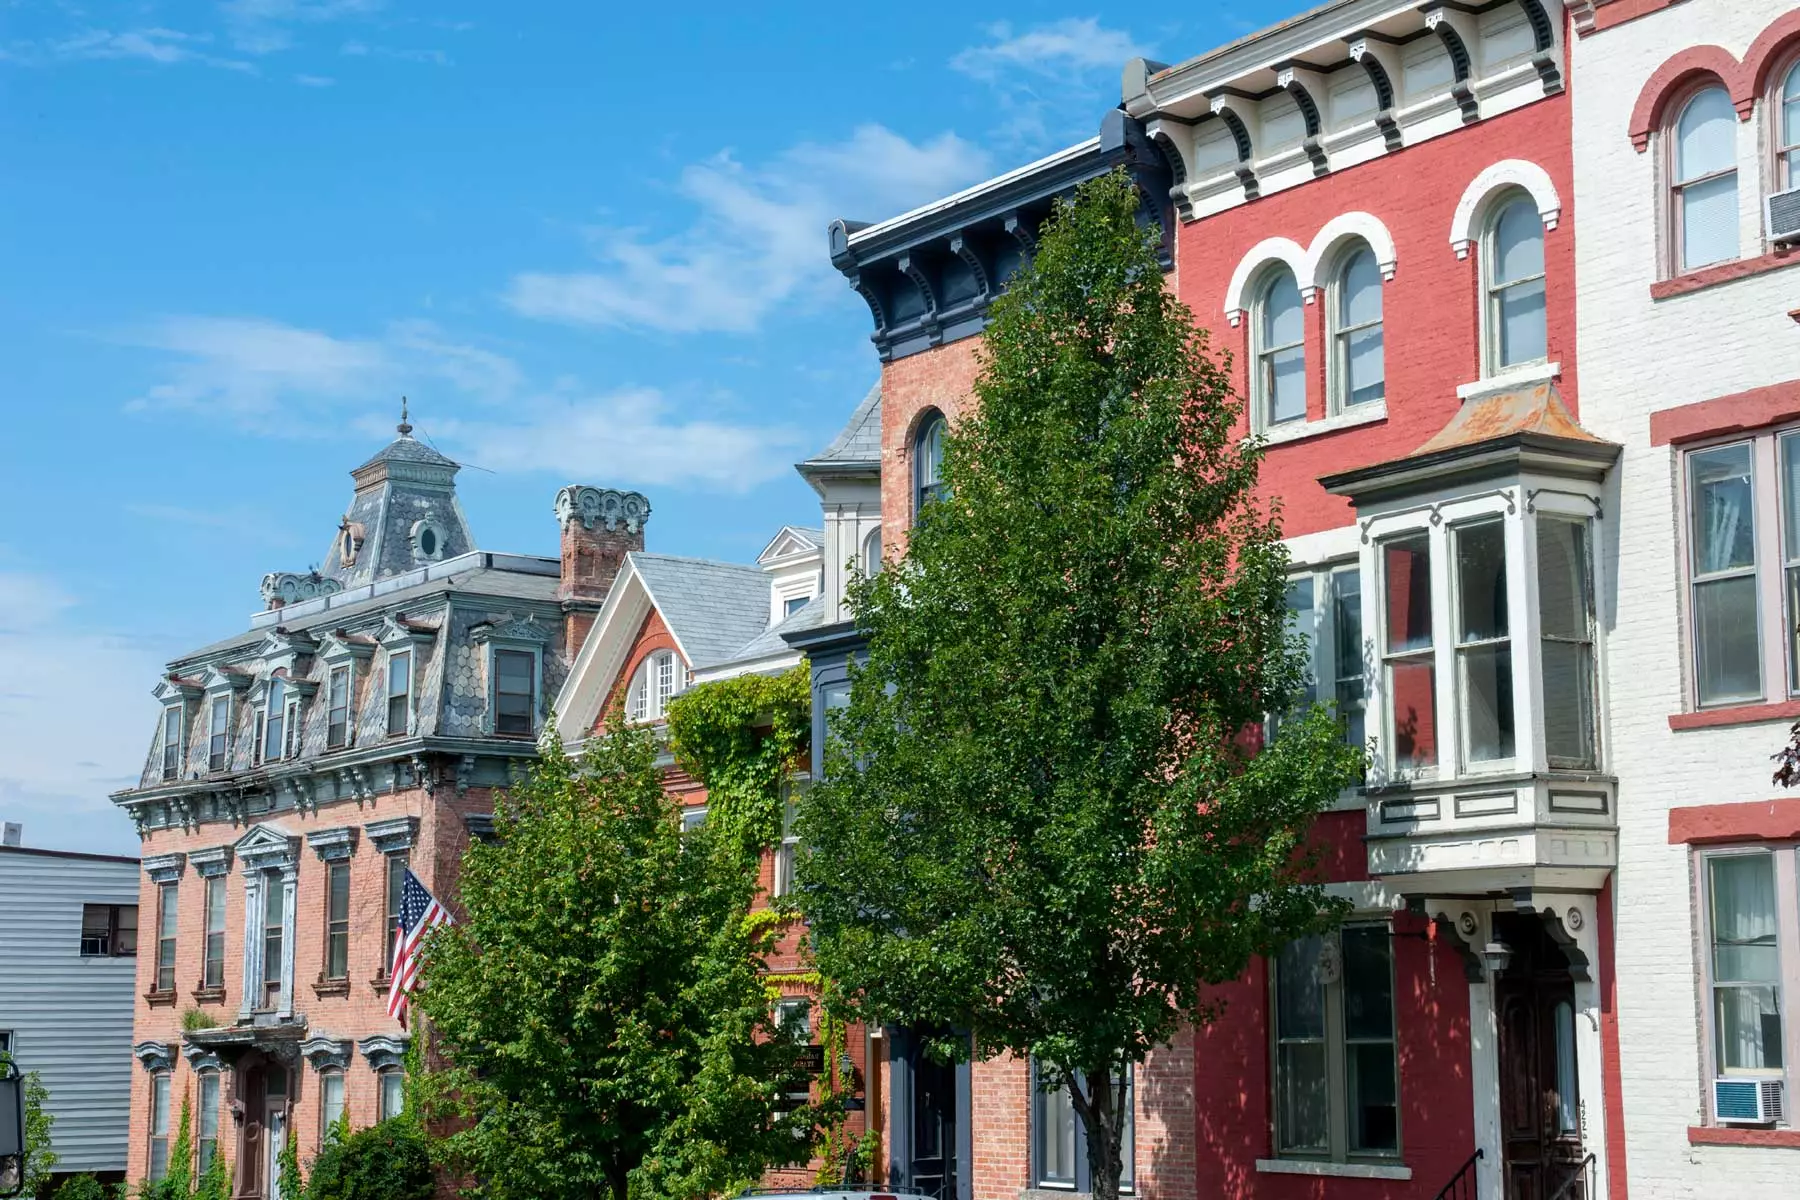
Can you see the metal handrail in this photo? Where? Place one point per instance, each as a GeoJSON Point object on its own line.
{"type": "Point", "coordinates": [1584, 1174]}
{"type": "Point", "coordinates": [1462, 1184]}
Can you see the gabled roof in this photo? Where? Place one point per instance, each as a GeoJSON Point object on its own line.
{"type": "Point", "coordinates": [792, 540]}
{"type": "Point", "coordinates": [770, 643]}
{"type": "Point", "coordinates": [858, 443]}
{"type": "Point", "coordinates": [711, 608]}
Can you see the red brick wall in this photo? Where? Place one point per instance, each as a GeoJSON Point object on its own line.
{"type": "Point", "coordinates": [942, 378]}
{"type": "Point", "coordinates": [435, 858]}
{"type": "Point", "coordinates": [1430, 309]}
{"type": "Point", "coordinates": [653, 635]}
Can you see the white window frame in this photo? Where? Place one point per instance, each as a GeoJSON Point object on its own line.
{"type": "Point", "coordinates": [932, 427]}
{"type": "Point", "coordinates": [389, 695]}
{"type": "Point", "coordinates": [660, 676]}
{"type": "Point", "coordinates": [326, 1120]}
{"type": "Point", "coordinates": [1082, 1180]}
{"type": "Point", "coordinates": [273, 709]}
{"type": "Point", "coordinates": [390, 1078]}
{"type": "Point", "coordinates": [218, 732]}
{"type": "Point", "coordinates": [1783, 176]}
{"type": "Point", "coordinates": [345, 671]}
{"type": "Point", "coordinates": [1337, 1042]}
{"type": "Point", "coordinates": [1320, 627]}
{"type": "Point", "coordinates": [173, 720]}
{"type": "Point", "coordinates": [1785, 857]}
{"type": "Point", "coordinates": [161, 1094]}
{"type": "Point", "coordinates": [781, 874]}
{"type": "Point", "coordinates": [1487, 256]}
{"type": "Point", "coordinates": [1337, 345]}
{"type": "Point", "coordinates": [1774, 610]}
{"type": "Point", "coordinates": [1262, 354]}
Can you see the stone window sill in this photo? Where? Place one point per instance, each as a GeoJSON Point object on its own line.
{"type": "Point", "coordinates": [206, 995]}
{"type": "Point", "coordinates": [1339, 1170]}
{"type": "Point", "coordinates": [1511, 379]}
{"type": "Point", "coordinates": [158, 999]}
{"type": "Point", "coordinates": [1725, 272]}
{"type": "Point", "coordinates": [331, 987]}
{"type": "Point", "coordinates": [380, 983]}
{"type": "Point", "coordinates": [1736, 714]}
{"type": "Point", "coordinates": [1299, 431]}
{"type": "Point", "coordinates": [1727, 1135]}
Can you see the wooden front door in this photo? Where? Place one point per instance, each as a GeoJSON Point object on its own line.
{"type": "Point", "coordinates": [926, 1098]}
{"type": "Point", "coordinates": [1540, 1103]}
{"type": "Point", "coordinates": [262, 1107]}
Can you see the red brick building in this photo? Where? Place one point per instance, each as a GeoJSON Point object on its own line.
{"type": "Point", "coordinates": [1368, 207]}
{"type": "Point", "coordinates": [358, 727]}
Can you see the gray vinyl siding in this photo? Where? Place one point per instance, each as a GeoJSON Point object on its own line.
{"type": "Point", "coordinates": [70, 1016]}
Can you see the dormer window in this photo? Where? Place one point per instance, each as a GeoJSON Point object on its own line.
{"type": "Point", "coordinates": [274, 739]}
{"type": "Point", "coordinates": [515, 692]}
{"type": "Point", "coordinates": [337, 708]}
{"type": "Point", "coordinates": [399, 693]}
{"type": "Point", "coordinates": [871, 552]}
{"type": "Point", "coordinates": [655, 683]}
{"type": "Point", "coordinates": [427, 542]}
{"type": "Point", "coordinates": [218, 731]}
{"type": "Point", "coordinates": [171, 743]}
{"type": "Point", "coordinates": [793, 604]}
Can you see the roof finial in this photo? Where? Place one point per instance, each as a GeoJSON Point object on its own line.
{"type": "Point", "coordinates": [404, 428]}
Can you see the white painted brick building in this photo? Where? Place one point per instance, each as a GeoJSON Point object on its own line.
{"type": "Point", "coordinates": [1690, 359]}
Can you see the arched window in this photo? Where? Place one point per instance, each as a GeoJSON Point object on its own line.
{"type": "Point", "coordinates": [928, 461]}
{"type": "Point", "coordinates": [1280, 335]}
{"type": "Point", "coordinates": [1358, 376]}
{"type": "Point", "coordinates": [1703, 203]}
{"type": "Point", "coordinates": [1787, 130]}
{"type": "Point", "coordinates": [871, 552]}
{"type": "Point", "coordinates": [1513, 259]}
{"type": "Point", "coordinates": [658, 680]}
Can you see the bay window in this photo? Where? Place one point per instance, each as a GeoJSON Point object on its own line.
{"type": "Point", "coordinates": [1484, 660]}
{"type": "Point", "coordinates": [1336, 1069]}
{"type": "Point", "coordinates": [1409, 662]}
{"type": "Point", "coordinates": [1566, 631]}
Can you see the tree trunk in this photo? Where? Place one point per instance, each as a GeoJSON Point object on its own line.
{"type": "Point", "coordinates": [1104, 1099]}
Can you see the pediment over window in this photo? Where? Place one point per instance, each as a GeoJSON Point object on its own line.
{"type": "Point", "coordinates": [155, 1056]}
{"type": "Point", "coordinates": [172, 688]}
{"type": "Point", "coordinates": [510, 627]}
{"type": "Point", "coordinates": [267, 847]}
{"type": "Point", "coordinates": [214, 860]}
{"type": "Point", "coordinates": [284, 643]}
{"type": "Point", "coordinates": [219, 677]}
{"type": "Point", "coordinates": [326, 1053]}
{"type": "Point", "coordinates": [399, 629]}
{"type": "Point", "coordinates": [341, 645]}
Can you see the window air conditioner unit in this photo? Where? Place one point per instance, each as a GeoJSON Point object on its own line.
{"type": "Point", "coordinates": [1747, 1101]}
{"type": "Point", "coordinates": [1783, 212]}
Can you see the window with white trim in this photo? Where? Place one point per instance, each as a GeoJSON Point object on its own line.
{"type": "Point", "coordinates": [218, 734]}
{"type": "Point", "coordinates": [781, 881]}
{"type": "Point", "coordinates": [337, 707]}
{"type": "Point", "coordinates": [1703, 188]}
{"type": "Point", "coordinates": [1784, 116]}
{"type": "Point", "coordinates": [158, 1165]}
{"type": "Point", "coordinates": [1748, 928]}
{"type": "Point", "coordinates": [171, 743]}
{"type": "Point", "coordinates": [1742, 529]}
{"type": "Point", "coordinates": [331, 1103]}
{"type": "Point", "coordinates": [399, 692]}
{"type": "Point", "coordinates": [1358, 375]}
{"type": "Point", "coordinates": [1325, 610]}
{"type": "Point", "coordinates": [1408, 653]}
{"type": "Point", "coordinates": [390, 1083]}
{"type": "Point", "coordinates": [1059, 1158]}
{"type": "Point", "coordinates": [928, 461]}
{"type": "Point", "coordinates": [871, 552]}
{"type": "Point", "coordinates": [167, 923]}
{"type": "Point", "coordinates": [212, 953]}
{"type": "Point", "coordinates": [1278, 332]}
{"type": "Point", "coordinates": [1336, 1070]}
{"type": "Point", "coordinates": [657, 680]}
{"type": "Point", "coordinates": [1512, 259]}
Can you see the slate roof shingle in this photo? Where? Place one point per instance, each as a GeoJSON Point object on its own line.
{"type": "Point", "coordinates": [712, 608]}
{"type": "Point", "coordinates": [860, 439]}
{"type": "Point", "coordinates": [769, 642]}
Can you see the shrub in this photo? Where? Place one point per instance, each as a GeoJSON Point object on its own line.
{"type": "Point", "coordinates": [81, 1187]}
{"type": "Point", "coordinates": [388, 1161]}
{"type": "Point", "coordinates": [194, 1018]}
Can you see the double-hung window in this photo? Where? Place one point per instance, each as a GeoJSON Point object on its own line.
{"type": "Point", "coordinates": [212, 959]}
{"type": "Point", "coordinates": [1703, 193]}
{"type": "Point", "coordinates": [331, 1103]}
{"type": "Point", "coordinates": [167, 922]}
{"type": "Point", "coordinates": [274, 740]}
{"type": "Point", "coordinates": [158, 1165]}
{"type": "Point", "coordinates": [1325, 610]}
{"type": "Point", "coordinates": [218, 733]}
{"type": "Point", "coordinates": [1566, 633]}
{"type": "Point", "coordinates": [337, 920]}
{"type": "Point", "coordinates": [782, 877]}
{"type": "Point", "coordinates": [337, 708]}
{"type": "Point", "coordinates": [1059, 1158]}
{"type": "Point", "coordinates": [171, 743]}
{"type": "Point", "coordinates": [1785, 116]}
{"type": "Point", "coordinates": [274, 932]}
{"type": "Point", "coordinates": [399, 693]}
{"type": "Point", "coordinates": [397, 864]}
{"type": "Point", "coordinates": [209, 1118]}
{"type": "Point", "coordinates": [1278, 327]}
{"type": "Point", "coordinates": [515, 692]}
{"type": "Point", "coordinates": [109, 930]}
{"type": "Point", "coordinates": [1513, 263]}
{"type": "Point", "coordinates": [1358, 375]}
{"type": "Point", "coordinates": [1408, 655]}
{"type": "Point", "coordinates": [1483, 644]}
{"type": "Point", "coordinates": [390, 1085]}
{"type": "Point", "coordinates": [928, 461]}
{"type": "Point", "coordinates": [1336, 1070]}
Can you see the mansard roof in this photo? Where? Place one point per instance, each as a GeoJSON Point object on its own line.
{"type": "Point", "coordinates": [857, 444]}
{"type": "Point", "coordinates": [406, 449]}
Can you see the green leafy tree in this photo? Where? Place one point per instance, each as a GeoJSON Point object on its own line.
{"type": "Point", "coordinates": [287, 1169]}
{"type": "Point", "coordinates": [40, 1159]}
{"type": "Point", "coordinates": [1045, 824]}
{"type": "Point", "coordinates": [81, 1187]}
{"type": "Point", "coordinates": [388, 1161]}
{"type": "Point", "coordinates": [600, 1007]}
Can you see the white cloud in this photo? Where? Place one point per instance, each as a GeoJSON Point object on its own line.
{"type": "Point", "coordinates": [757, 237]}
{"type": "Point", "coordinates": [164, 47]}
{"type": "Point", "coordinates": [266, 26]}
{"type": "Point", "coordinates": [314, 80]}
{"type": "Point", "coordinates": [56, 770]}
{"type": "Point", "coordinates": [1050, 82]}
{"type": "Point", "coordinates": [273, 378]}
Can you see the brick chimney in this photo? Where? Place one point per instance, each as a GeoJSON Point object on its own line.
{"type": "Point", "coordinates": [599, 528]}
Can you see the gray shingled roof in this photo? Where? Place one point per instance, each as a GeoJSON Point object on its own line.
{"type": "Point", "coordinates": [860, 439]}
{"type": "Point", "coordinates": [406, 448]}
{"type": "Point", "coordinates": [712, 608]}
{"type": "Point", "coordinates": [769, 642]}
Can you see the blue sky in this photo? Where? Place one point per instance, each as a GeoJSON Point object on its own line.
{"type": "Point", "coordinates": [587, 241]}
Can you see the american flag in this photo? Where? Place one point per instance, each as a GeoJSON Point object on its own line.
{"type": "Point", "coordinates": [419, 911]}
